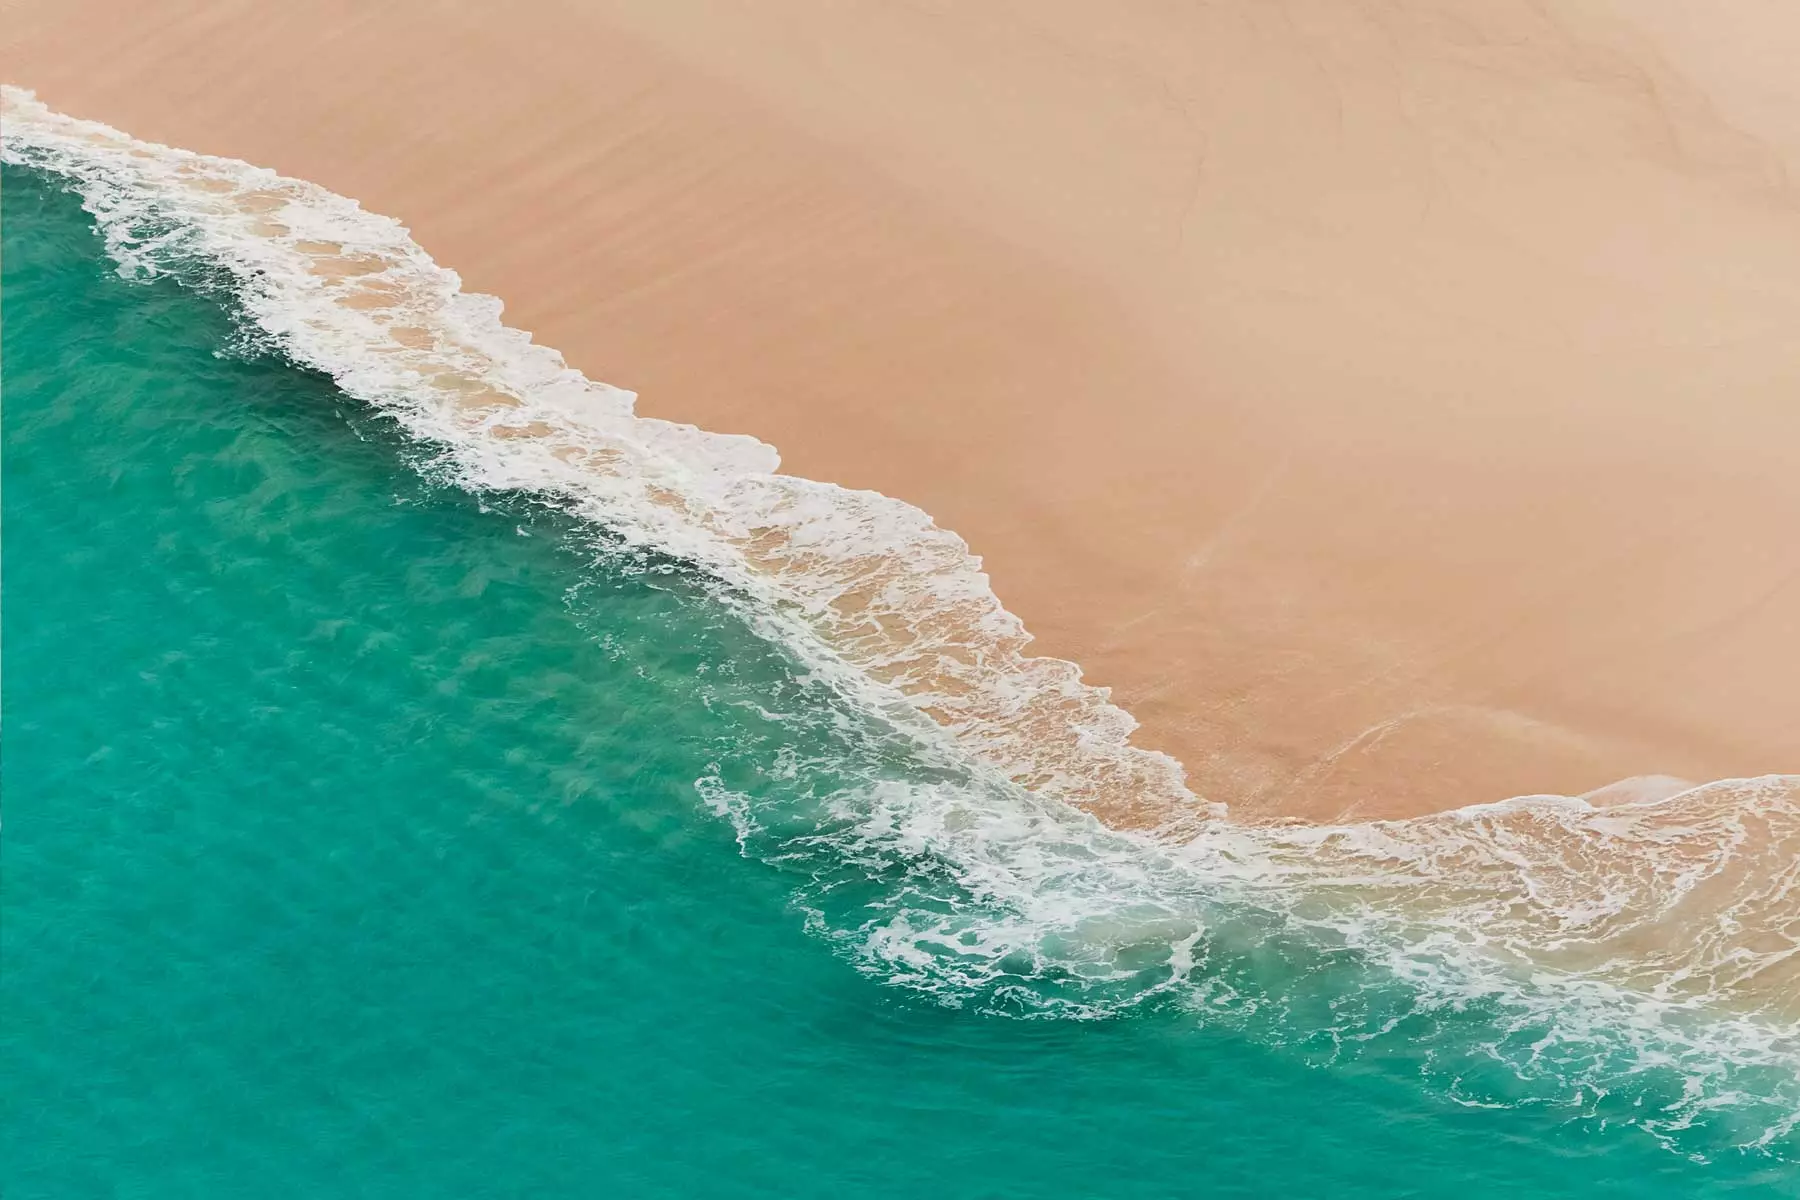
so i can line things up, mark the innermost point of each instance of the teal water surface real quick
(354, 847)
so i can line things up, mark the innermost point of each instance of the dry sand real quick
(1397, 404)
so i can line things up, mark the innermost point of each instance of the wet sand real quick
(1397, 406)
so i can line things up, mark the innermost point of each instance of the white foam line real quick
(1606, 940)
(870, 577)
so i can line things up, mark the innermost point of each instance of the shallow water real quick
(368, 835)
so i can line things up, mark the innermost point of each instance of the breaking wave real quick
(1628, 963)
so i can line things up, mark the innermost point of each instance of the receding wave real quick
(1630, 963)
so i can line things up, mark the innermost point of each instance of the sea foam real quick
(1636, 963)
(349, 293)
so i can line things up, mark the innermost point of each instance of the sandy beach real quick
(1396, 406)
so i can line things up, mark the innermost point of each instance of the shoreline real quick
(1653, 891)
(1309, 638)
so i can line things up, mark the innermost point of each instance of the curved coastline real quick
(1630, 918)
(1476, 541)
(901, 602)
(359, 815)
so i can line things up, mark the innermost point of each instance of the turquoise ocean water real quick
(366, 835)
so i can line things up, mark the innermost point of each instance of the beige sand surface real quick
(1397, 404)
